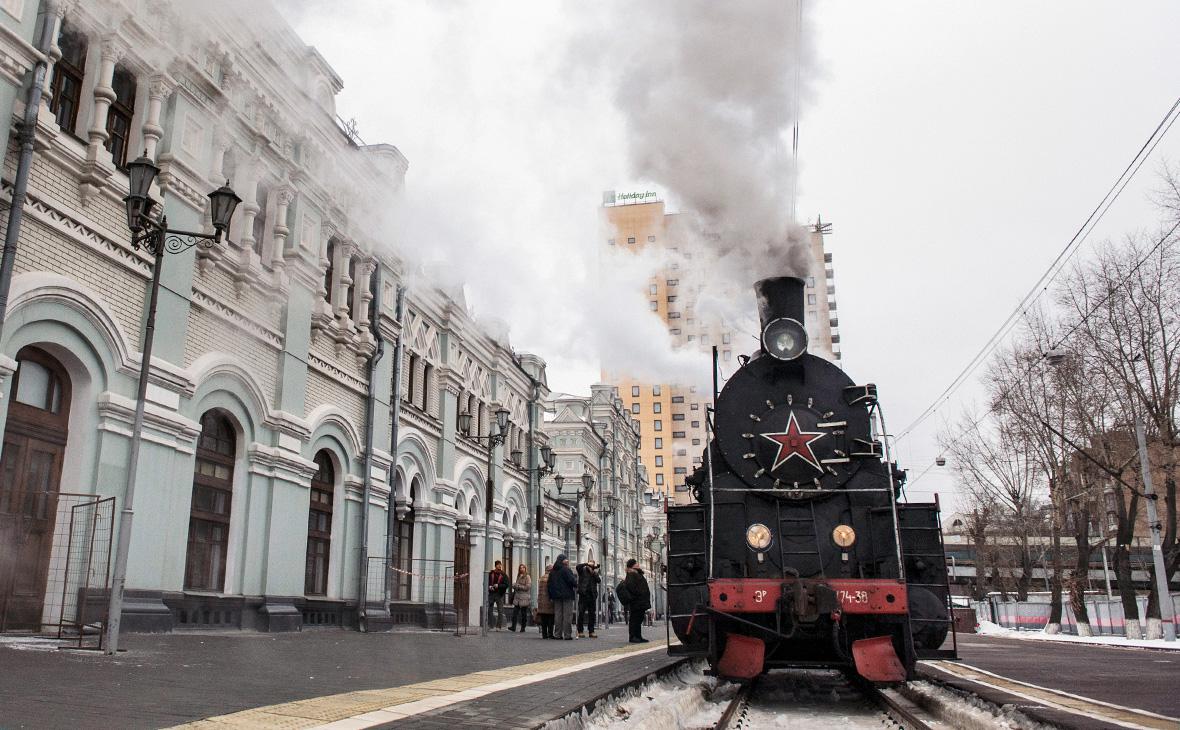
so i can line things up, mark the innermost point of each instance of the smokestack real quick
(778, 297)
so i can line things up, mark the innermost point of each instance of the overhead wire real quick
(1055, 267)
(1060, 341)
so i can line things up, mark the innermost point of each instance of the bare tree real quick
(1124, 309)
(1026, 391)
(1001, 481)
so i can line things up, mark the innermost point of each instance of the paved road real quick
(168, 679)
(1138, 678)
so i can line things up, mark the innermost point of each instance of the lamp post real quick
(548, 460)
(587, 483)
(157, 238)
(610, 504)
(494, 438)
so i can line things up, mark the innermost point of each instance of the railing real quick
(1106, 615)
(80, 528)
(424, 593)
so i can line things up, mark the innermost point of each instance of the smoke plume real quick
(514, 120)
(708, 92)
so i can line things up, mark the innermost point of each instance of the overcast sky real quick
(956, 147)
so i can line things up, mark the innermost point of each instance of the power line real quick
(1060, 341)
(1055, 267)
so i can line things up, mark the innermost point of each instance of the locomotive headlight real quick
(758, 536)
(844, 536)
(784, 339)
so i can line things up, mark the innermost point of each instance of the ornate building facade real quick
(267, 496)
(597, 436)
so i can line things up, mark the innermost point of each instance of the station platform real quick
(319, 678)
(1069, 685)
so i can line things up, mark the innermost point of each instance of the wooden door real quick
(30, 479)
(462, 585)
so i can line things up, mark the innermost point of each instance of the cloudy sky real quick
(956, 147)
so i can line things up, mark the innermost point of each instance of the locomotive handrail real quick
(876, 410)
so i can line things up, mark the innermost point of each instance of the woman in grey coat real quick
(521, 600)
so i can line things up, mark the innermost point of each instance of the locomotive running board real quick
(877, 661)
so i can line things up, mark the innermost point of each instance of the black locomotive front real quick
(795, 552)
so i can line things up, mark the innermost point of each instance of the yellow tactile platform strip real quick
(365, 708)
(1115, 714)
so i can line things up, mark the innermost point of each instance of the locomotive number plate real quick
(870, 596)
(858, 597)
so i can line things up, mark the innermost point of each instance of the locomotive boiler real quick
(798, 551)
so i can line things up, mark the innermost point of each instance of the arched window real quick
(68, 73)
(208, 525)
(119, 115)
(259, 231)
(330, 273)
(411, 372)
(424, 396)
(405, 549)
(348, 297)
(319, 526)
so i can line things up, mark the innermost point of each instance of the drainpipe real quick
(391, 514)
(370, 416)
(534, 482)
(26, 134)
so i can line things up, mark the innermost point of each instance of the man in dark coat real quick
(588, 581)
(497, 590)
(637, 598)
(563, 588)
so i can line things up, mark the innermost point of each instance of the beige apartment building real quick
(672, 417)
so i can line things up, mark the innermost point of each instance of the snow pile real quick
(34, 643)
(816, 700)
(666, 702)
(987, 628)
(963, 710)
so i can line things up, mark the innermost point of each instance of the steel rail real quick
(735, 710)
(904, 712)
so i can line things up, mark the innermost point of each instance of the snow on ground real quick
(987, 628)
(689, 700)
(815, 700)
(667, 702)
(35, 643)
(963, 710)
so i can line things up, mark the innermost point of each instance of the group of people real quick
(566, 596)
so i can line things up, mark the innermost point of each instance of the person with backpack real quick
(563, 588)
(588, 582)
(635, 595)
(497, 590)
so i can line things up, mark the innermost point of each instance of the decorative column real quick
(58, 11)
(282, 197)
(321, 314)
(362, 296)
(362, 292)
(344, 251)
(104, 94)
(160, 88)
(97, 168)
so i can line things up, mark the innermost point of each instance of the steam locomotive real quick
(798, 551)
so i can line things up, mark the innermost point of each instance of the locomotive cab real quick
(794, 554)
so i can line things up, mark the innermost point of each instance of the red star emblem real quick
(794, 442)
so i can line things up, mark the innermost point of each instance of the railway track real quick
(827, 699)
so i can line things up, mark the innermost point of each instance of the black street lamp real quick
(587, 483)
(494, 438)
(157, 238)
